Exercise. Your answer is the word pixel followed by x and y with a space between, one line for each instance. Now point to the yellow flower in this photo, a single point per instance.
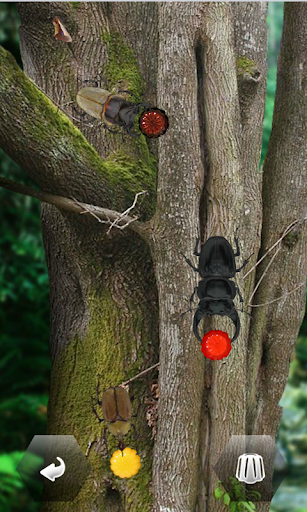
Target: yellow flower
pixel 125 464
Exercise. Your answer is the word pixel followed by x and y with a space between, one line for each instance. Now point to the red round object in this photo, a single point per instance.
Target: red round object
pixel 216 345
pixel 153 122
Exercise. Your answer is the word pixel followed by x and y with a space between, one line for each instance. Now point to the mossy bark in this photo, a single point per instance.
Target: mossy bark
pixel 105 290
pixel 102 289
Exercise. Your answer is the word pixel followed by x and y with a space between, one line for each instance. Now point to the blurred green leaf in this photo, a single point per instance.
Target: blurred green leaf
pixel 226 499
pixel 218 493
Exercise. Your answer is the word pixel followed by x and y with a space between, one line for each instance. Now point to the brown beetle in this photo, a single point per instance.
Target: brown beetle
pixel 112 109
pixel 117 412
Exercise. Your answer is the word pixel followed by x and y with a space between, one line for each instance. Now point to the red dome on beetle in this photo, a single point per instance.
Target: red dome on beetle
pixel 153 122
pixel 216 345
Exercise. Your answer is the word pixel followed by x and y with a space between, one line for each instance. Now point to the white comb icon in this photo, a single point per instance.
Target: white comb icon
pixel 250 468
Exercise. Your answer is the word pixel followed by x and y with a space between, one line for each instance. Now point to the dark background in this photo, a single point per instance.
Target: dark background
pixel 24 323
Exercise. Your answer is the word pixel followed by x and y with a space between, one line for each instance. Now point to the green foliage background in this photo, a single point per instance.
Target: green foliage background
pixel 24 320
pixel 24 317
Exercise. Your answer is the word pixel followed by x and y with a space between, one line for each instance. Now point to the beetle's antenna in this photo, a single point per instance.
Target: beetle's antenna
pixel 188 311
pixel 242 311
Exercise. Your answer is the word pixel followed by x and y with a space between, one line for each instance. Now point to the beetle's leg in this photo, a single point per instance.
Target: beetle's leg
pixel 104 81
pixel 237 244
pixel 241 298
pixel 132 397
pixel 105 439
pixel 189 262
pixel 188 311
pixel 197 318
pixel 236 320
pixel 97 391
pixel 133 134
pixel 95 412
pixel 244 263
pixel 191 301
pixel 145 105
pixel 109 129
pixel 130 386
pixel 128 92
pixel 138 409
pixel 242 311
pixel 192 296
pixel 135 436
pixel 82 115
pixel 93 81
pixel 196 245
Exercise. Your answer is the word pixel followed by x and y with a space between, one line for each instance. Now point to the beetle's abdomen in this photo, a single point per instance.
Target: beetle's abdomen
pixel 214 288
pixel 119 428
pixel 217 307
pixel 116 404
pixel 217 289
pixel 93 100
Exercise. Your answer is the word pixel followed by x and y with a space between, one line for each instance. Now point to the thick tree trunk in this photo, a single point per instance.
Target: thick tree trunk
pixel 179 188
pixel 284 201
pixel 102 289
pixel 205 64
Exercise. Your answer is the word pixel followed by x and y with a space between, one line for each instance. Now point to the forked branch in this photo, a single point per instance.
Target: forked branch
pixel 103 215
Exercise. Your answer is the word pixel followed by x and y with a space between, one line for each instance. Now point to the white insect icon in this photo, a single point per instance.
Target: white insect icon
pixel 250 468
pixel 52 471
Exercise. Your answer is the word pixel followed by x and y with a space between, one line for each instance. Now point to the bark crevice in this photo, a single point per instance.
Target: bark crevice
pixel 104 292
pixel 200 69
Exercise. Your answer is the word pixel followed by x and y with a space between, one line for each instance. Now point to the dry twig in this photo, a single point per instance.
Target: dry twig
pixel 125 213
pixel 278 298
pixel 265 271
pixel 285 233
pixel 117 219
pixel 64 203
pixel 140 374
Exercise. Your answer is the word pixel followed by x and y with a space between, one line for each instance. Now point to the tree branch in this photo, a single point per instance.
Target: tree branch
pixel 250 38
pixel 278 298
pixel 140 374
pixel 110 217
pixel 275 328
pixel 39 137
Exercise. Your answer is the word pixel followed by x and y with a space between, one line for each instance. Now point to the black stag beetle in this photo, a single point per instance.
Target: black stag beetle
pixel 215 291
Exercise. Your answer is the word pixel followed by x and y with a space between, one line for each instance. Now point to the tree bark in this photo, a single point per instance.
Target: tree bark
pixel 284 200
pixel 113 296
pixel 101 288
pixel 175 222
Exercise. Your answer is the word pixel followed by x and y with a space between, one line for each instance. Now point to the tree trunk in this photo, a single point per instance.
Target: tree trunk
pixel 102 289
pixel 113 297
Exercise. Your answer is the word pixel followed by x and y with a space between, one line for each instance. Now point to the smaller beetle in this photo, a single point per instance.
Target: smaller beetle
pixel 112 109
pixel 117 412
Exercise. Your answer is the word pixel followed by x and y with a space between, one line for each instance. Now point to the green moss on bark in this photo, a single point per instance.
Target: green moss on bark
pixel 122 68
pixel 247 67
pixel 122 71
pixel 133 174
pixel 74 377
pixel 48 127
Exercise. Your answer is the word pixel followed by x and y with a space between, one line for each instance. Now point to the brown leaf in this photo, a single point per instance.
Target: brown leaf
pixel 60 31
